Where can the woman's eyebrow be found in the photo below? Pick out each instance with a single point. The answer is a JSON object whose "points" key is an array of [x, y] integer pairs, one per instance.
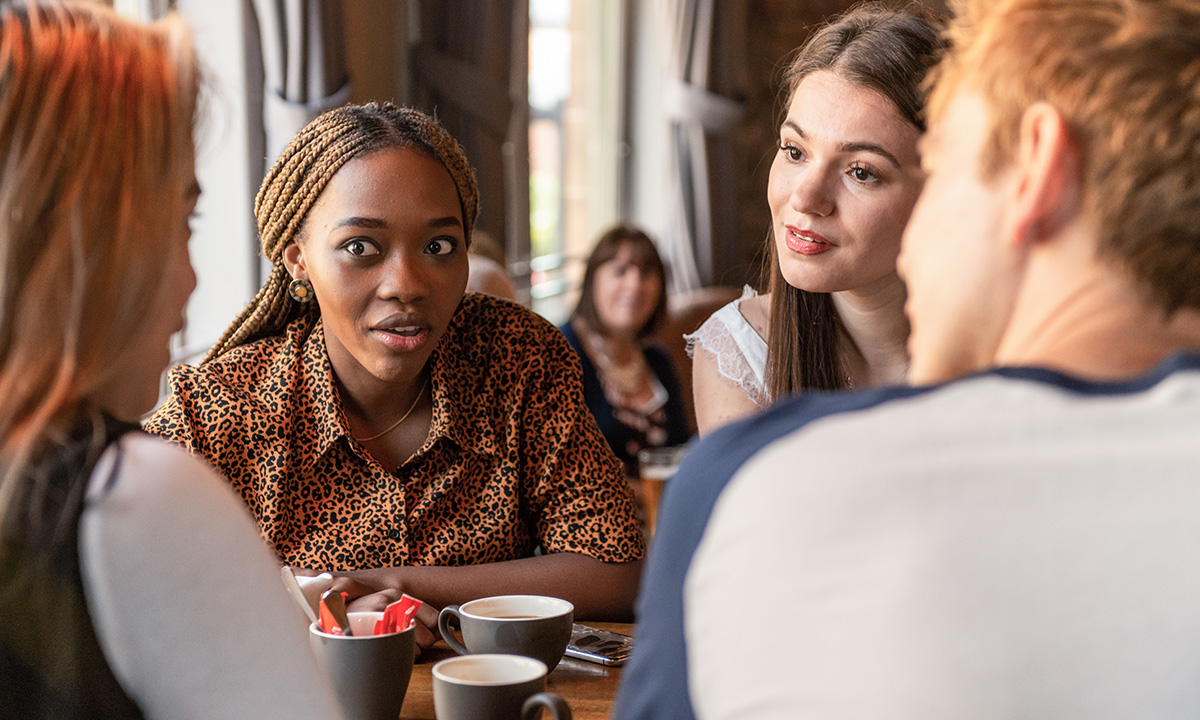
{"points": [[364, 222], [859, 146], [871, 148], [448, 221]]}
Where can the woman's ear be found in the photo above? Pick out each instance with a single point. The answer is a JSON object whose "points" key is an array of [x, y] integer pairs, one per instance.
{"points": [[1047, 190], [293, 261]]}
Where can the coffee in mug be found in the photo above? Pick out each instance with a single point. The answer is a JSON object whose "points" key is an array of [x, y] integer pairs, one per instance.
{"points": [[494, 687], [531, 625]]}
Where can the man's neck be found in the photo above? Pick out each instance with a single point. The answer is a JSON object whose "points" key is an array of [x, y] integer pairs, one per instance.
{"points": [[1097, 326]]}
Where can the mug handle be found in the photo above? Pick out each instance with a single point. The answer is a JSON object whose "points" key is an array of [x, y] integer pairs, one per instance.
{"points": [[451, 611], [552, 701]]}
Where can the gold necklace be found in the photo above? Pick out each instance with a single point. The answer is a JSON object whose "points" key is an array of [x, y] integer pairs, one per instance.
{"points": [[396, 424]]}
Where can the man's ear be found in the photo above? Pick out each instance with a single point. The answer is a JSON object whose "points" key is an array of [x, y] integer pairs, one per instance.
{"points": [[293, 261], [1047, 188]]}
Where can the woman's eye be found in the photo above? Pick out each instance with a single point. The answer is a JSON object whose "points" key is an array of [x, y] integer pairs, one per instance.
{"points": [[863, 174], [440, 246], [792, 152], [361, 248]]}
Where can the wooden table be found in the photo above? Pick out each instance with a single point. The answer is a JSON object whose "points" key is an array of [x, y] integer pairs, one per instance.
{"points": [[588, 687]]}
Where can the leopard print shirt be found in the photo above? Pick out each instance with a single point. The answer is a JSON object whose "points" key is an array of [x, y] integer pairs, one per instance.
{"points": [[513, 460]]}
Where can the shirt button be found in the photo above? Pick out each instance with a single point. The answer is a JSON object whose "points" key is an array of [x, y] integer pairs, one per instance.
{"points": [[394, 534]]}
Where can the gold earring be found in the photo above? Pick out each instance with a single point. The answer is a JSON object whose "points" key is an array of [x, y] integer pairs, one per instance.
{"points": [[300, 290]]}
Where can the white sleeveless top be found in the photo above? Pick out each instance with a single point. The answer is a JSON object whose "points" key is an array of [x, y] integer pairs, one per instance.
{"points": [[740, 353]]}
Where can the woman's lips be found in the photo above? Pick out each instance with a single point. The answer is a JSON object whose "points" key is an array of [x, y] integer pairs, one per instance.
{"points": [[805, 242], [403, 332], [402, 339]]}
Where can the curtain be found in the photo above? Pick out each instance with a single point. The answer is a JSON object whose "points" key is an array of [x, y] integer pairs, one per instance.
{"points": [[705, 72], [470, 69], [304, 65]]}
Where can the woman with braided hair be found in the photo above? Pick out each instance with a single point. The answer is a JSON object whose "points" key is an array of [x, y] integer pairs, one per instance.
{"points": [[380, 423]]}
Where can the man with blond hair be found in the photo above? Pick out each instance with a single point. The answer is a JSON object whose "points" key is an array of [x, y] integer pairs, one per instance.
{"points": [[1017, 535]]}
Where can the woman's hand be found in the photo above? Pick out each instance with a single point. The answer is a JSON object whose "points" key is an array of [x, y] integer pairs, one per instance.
{"points": [[427, 615]]}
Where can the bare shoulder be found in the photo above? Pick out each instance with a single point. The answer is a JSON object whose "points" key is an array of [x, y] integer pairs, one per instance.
{"points": [[717, 399], [757, 311]]}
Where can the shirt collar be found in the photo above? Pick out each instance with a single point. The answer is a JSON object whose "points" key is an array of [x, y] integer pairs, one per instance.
{"points": [[462, 409]]}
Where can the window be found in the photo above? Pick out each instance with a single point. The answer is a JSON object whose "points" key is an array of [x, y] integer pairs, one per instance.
{"points": [[576, 148]]}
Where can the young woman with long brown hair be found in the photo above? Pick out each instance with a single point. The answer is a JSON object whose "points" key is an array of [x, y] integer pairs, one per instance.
{"points": [[842, 185]]}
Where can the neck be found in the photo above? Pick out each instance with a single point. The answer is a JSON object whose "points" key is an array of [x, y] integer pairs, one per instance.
{"points": [[876, 332], [619, 345], [1100, 328], [378, 404]]}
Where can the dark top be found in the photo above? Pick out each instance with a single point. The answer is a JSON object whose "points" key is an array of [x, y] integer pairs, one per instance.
{"points": [[51, 663], [624, 440]]}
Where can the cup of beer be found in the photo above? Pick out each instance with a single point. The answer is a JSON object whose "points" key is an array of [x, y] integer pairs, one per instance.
{"points": [[656, 466]]}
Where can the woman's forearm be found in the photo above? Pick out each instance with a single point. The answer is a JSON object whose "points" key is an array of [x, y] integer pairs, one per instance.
{"points": [[598, 590]]}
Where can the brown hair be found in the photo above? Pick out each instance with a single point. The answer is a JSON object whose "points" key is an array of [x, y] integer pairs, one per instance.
{"points": [[96, 120], [1125, 74], [300, 175], [885, 48], [645, 256]]}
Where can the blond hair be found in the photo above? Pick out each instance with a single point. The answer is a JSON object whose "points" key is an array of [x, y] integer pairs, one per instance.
{"points": [[300, 175], [1125, 74], [96, 117]]}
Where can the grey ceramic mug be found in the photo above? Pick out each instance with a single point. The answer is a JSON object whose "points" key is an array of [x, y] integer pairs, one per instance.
{"points": [[531, 625], [369, 673], [494, 687]]}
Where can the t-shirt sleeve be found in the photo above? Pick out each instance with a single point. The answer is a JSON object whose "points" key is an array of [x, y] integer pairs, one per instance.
{"points": [[187, 599], [577, 486]]}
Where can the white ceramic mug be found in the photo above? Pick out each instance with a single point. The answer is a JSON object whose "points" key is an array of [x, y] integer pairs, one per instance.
{"points": [[531, 625], [494, 687]]}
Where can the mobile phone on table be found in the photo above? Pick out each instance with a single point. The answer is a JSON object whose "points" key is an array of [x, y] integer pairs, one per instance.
{"points": [[599, 646]]}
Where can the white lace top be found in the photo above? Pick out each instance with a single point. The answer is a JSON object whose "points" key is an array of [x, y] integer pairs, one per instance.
{"points": [[740, 352]]}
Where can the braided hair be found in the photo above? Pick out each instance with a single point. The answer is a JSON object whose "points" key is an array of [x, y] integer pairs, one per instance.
{"points": [[300, 175]]}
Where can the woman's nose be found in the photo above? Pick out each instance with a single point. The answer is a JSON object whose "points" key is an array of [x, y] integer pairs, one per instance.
{"points": [[404, 279], [812, 194]]}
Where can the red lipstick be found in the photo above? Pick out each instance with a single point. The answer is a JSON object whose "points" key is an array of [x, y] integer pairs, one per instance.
{"points": [[805, 242]]}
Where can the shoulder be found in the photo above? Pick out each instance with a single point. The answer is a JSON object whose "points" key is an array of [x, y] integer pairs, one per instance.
{"points": [[756, 311], [145, 490], [159, 520], [160, 473], [242, 369], [568, 331], [257, 371], [746, 320], [503, 329]]}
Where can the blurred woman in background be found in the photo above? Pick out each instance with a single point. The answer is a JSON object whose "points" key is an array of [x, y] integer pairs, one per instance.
{"points": [[132, 582], [630, 385]]}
